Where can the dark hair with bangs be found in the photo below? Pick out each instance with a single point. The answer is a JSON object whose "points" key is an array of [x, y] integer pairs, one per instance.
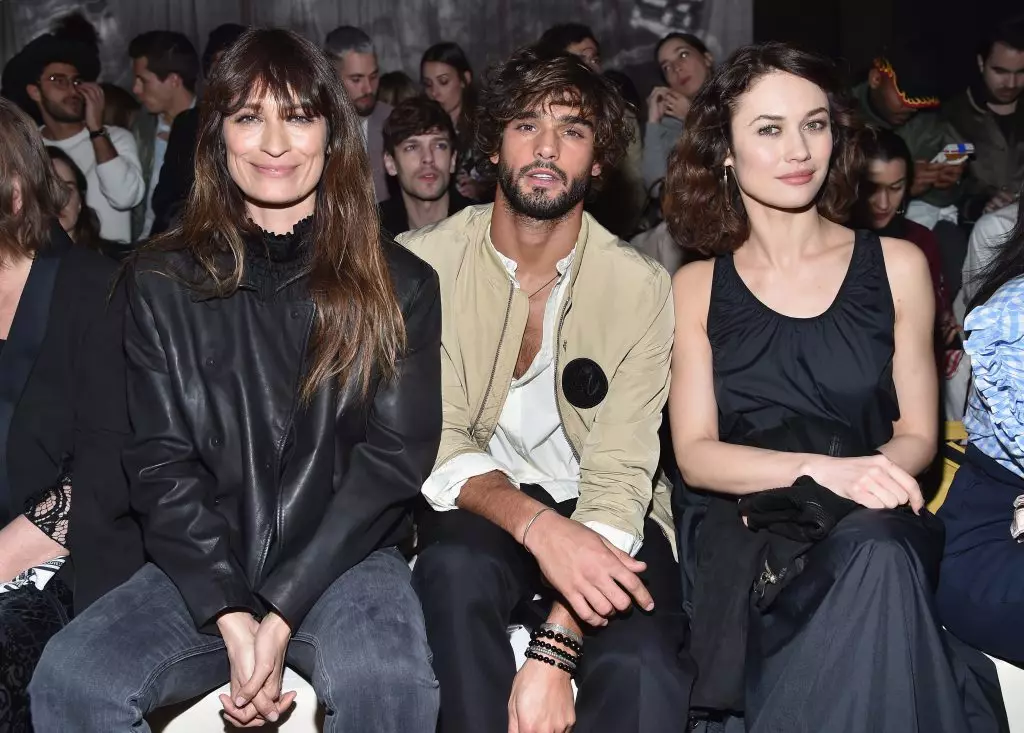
{"points": [[359, 326], [531, 78], [708, 217]]}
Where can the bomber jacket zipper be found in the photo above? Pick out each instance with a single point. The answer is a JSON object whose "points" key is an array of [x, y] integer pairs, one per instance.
{"points": [[497, 358], [558, 352]]}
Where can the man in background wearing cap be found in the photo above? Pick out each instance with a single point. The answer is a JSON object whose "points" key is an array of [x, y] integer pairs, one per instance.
{"points": [[899, 95], [59, 76]]}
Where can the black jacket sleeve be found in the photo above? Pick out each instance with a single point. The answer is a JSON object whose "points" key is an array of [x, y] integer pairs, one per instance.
{"points": [[384, 474], [177, 172], [171, 489]]}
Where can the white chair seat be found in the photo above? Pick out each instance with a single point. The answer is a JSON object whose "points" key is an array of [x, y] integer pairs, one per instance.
{"points": [[202, 715]]}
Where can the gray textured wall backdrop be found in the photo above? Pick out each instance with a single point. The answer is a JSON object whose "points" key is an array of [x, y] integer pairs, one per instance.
{"points": [[487, 29]]}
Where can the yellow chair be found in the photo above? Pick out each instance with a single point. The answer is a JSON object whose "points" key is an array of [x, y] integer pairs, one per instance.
{"points": [[953, 447]]}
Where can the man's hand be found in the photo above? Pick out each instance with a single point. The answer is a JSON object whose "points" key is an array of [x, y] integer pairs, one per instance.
{"points": [[925, 176], [588, 571], [948, 176], [263, 688], [95, 103], [541, 700]]}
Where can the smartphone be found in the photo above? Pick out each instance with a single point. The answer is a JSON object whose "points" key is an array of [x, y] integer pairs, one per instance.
{"points": [[954, 154]]}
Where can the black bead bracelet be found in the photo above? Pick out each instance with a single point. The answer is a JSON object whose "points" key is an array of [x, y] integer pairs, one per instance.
{"points": [[549, 660], [552, 649], [555, 636]]}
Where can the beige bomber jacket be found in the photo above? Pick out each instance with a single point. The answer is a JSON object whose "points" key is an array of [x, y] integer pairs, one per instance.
{"points": [[617, 313]]}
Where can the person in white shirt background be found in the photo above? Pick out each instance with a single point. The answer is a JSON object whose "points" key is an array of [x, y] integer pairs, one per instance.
{"points": [[71, 107]]}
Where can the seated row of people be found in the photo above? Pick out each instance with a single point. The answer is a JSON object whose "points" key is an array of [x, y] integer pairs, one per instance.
{"points": [[298, 383]]}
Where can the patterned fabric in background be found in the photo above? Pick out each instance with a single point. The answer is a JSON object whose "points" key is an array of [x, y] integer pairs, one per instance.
{"points": [[28, 618], [403, 29]]}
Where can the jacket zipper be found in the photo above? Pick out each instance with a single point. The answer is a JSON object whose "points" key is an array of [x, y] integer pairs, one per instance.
{"points": [[497, 358], [558, 404]]}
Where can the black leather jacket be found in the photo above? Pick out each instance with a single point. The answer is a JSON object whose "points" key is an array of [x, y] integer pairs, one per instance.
{"points": [[248, 499]]}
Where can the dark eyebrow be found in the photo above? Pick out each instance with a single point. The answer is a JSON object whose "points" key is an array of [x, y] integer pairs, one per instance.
{"points": [[780, 118], [527, 116], [770, 118], [576, 120]]}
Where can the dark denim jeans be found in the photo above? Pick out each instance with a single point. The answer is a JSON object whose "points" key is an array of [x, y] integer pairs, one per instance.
{"points": [[363, 647]]}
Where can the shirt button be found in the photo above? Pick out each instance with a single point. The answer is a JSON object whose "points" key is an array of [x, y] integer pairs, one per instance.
{"points": [[211, 362], [296, 314], [267, 465], [216, 441]]}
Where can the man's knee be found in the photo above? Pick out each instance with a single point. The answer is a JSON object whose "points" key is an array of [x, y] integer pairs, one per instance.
{"points": [[454, 573]]}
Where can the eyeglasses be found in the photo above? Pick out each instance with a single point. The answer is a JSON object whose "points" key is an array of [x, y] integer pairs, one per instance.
{"points": [[61, 81]]}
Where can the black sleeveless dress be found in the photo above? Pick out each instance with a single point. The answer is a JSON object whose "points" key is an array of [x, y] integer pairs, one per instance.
{"points": [[851, 644]]}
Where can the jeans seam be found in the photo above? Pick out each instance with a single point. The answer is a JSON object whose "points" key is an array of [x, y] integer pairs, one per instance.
{"points": [[319, 664], [168, 663]]}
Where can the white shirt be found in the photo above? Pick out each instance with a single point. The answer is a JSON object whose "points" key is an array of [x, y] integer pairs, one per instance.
{"points": [[989, 233], [159, 151], [115, 186], [529, 444]]}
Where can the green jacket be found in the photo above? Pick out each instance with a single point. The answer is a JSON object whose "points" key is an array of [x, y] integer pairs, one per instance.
{"points": [[998, 163], [926, 134]]}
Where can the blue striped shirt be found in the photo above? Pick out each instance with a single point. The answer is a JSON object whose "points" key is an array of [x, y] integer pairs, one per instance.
{"points": [[995, 408]]}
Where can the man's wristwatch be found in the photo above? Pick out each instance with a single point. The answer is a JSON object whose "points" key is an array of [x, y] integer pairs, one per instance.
{"points": [[102, 132]]}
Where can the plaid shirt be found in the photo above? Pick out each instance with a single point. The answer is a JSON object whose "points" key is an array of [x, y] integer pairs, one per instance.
{"points": [[995, 408]]}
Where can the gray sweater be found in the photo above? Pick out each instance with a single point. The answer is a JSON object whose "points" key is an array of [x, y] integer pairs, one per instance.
{"points": [[659, 139]]}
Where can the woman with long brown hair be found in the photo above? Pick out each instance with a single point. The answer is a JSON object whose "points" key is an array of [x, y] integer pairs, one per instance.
{"points": [[804, 399], [62, 419], [284, 387]]}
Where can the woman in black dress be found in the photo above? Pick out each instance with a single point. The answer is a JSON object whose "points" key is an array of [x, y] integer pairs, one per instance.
{"points": [[799, 326], [63, 420]]}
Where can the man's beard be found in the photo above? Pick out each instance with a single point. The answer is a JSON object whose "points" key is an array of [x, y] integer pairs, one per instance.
{"points": [[61, 114], [537, 204]]}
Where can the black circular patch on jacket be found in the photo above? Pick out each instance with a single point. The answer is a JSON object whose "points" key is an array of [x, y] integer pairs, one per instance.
{"points": [[584, 384]]}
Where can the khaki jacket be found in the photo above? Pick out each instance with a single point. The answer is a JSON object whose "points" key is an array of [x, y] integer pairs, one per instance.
{"points": [[617, 312]]}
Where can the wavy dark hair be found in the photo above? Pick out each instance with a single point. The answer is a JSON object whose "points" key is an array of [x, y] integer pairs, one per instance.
{"points": [[530, 78], [705, 216], [1007, 265], [26, 174], [359, 325]]}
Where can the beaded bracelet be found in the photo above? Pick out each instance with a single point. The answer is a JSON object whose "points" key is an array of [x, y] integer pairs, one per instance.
{"points": [[552, 649], [552, 662], [543, 633]]}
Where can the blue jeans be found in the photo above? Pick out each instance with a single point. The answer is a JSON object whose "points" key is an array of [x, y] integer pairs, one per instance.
{"points": [[363, 647]]}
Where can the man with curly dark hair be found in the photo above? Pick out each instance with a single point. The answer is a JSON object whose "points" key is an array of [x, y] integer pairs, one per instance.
{"points": [[552, 392]]}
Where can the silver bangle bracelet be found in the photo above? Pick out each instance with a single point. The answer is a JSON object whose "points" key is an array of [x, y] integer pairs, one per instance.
{"points": [[530, 524], [563, 631]]}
